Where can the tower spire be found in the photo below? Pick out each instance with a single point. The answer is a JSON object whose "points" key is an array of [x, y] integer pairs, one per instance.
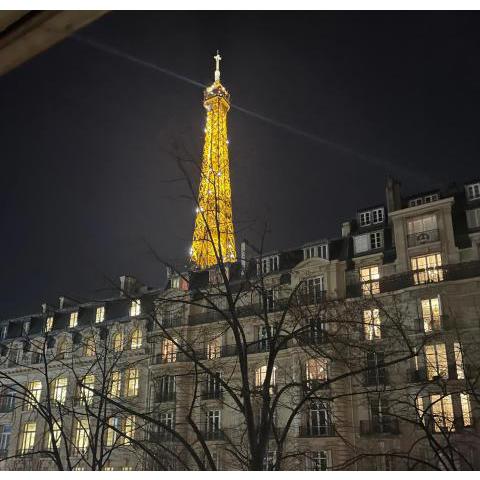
{"points": [[213, 236]]}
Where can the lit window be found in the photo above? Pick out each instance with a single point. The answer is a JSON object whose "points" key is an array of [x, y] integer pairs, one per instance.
{"points": [[316, 369], [136, 341], [261, 374], [27, 440], [369, 278], [86, 393], [132, 377], [99, 314], [169, 351], [115, 384], [466, 409], [318, 461], [56, 433], [442, 412], [431, 314], [59, 390], [129, 430], [89, 347], [473, 218], [117, 342], [473, 191], [457, 350], [371, 319], [214, 348], [107, 469], [135, 308], [126, 469], [112, 431], [48, 324], [73, 320], [427, 268], [34, 389], [82, 432], [436, 359]]}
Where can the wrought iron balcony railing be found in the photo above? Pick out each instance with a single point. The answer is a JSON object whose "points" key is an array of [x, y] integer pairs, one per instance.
{"points": [[421, 238], [380, 425], [325, 430]]}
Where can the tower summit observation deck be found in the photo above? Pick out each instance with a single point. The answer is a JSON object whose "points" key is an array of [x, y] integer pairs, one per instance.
{"points": [[213, 236]]}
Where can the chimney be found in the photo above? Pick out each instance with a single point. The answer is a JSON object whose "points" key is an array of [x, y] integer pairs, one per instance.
{"points": [[128, 285], [346, 229], [44, 308], [392, 194], [246, 253]]}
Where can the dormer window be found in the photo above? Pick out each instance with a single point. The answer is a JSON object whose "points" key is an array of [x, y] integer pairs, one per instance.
{"points": [[373, 216], [269, 264], [414, 202], [175, 282], [99, 314], [135, 308], [48, 324], [73, 322], [320, 251], [26, 327], [473, 191], [368, 241]]}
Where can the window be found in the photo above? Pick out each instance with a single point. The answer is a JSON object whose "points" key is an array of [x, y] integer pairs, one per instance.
{"points": [[473, 218], [214, 386], [86, 394], [3, 332], [73, 322], [115, 384], [56, 433], [136, 341], [317, 331], [376, 374], [318, 461], [427, 268], [112, 431], [270, 298], [213, 424], [48, 324], [126, 469], [323, 251], [261, 374], [431, 314], [214, 348], [99, 314], [59, 390], [431, 198], [466, 409], [129, 430], [27, 439], [473, 191], [415, 201], [422, 224], [376, 240], [7, 400], [25, 328], [270, 460], [5, 435], [436, 360], [166, 386], [308, 253], [82, 432], [316, 370], [371, 319], [457, 350], [132, 377], [34, 389], [269, 264], [369, 278], [169, 351], [315, 289], [442, 412], [319, 423], [117, 342], [89, 346], [371, 216], [264, 338], [168, 420], [135, 308]]}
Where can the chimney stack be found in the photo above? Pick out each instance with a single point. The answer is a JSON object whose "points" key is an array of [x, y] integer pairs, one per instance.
{"points": [[392, 194], [346, 229], [128, 285]]}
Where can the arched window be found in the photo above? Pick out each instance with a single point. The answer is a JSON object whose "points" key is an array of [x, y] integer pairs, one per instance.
{"points": [[260, 375], [136, 341], [117, 342]]}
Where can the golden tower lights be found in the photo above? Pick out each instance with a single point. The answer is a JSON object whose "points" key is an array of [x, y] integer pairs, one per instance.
{"points": [[213, 237]]}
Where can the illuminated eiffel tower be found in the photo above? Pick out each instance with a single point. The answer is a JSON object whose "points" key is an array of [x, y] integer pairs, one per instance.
{"points": [[213, 237]]}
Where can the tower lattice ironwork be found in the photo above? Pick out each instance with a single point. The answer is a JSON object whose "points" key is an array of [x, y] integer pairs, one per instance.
{"points": [[213, 237]]}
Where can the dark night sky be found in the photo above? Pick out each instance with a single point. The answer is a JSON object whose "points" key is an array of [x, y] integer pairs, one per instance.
{"points": [[85, 134]]}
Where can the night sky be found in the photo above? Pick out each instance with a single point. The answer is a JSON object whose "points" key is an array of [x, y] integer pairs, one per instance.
{"points": [[86, 179]]}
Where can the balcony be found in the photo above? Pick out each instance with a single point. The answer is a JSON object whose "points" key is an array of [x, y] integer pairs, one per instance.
{"points": [[382, 425], [325, 430], [456, 271], [422, 238]]}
